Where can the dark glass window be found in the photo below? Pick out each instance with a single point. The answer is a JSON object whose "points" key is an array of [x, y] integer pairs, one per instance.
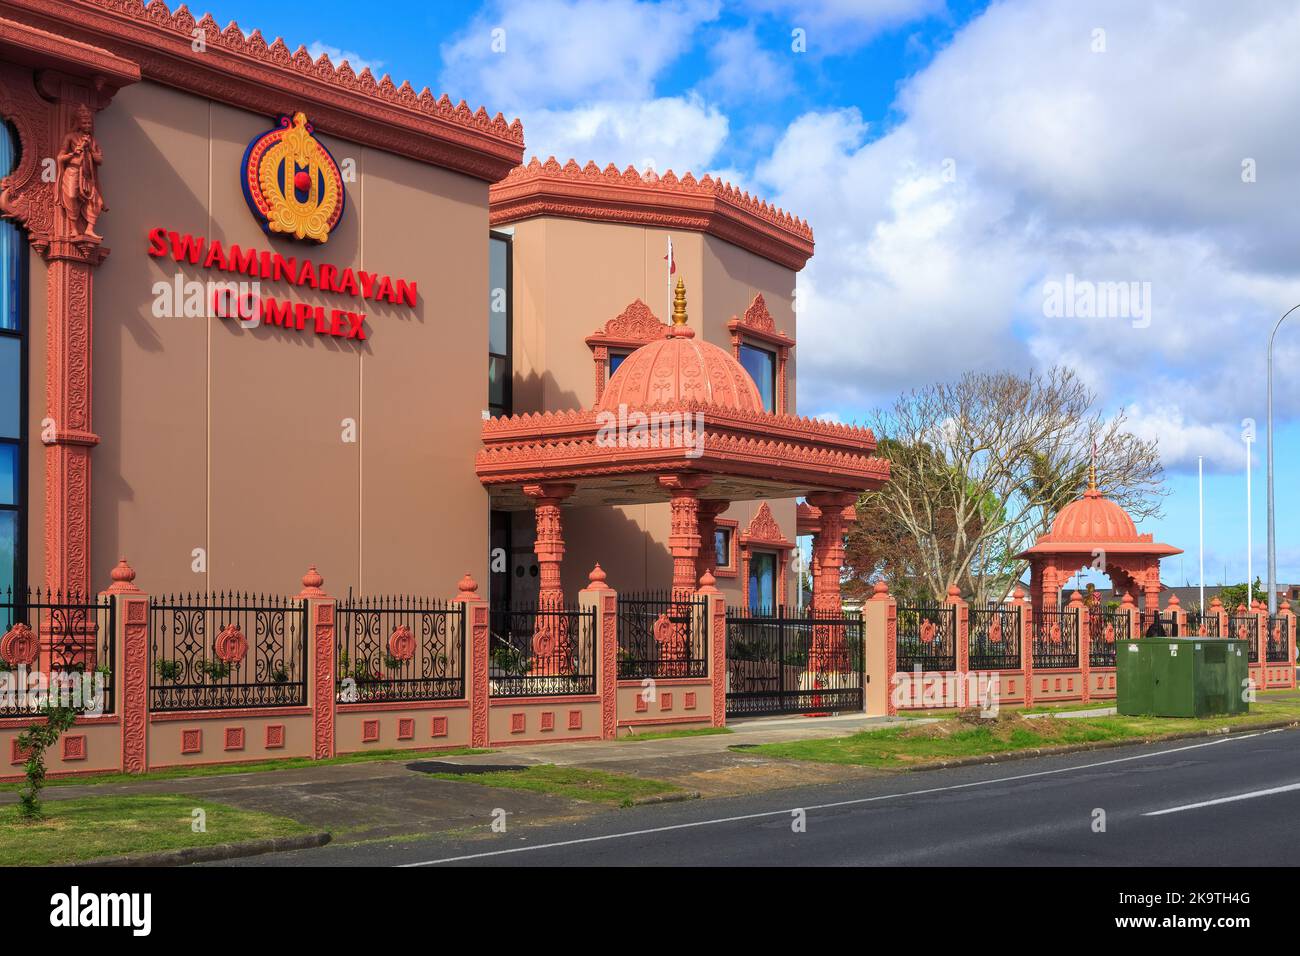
{"points": [[762, 581], [761, 366], [13, 387], [500, 318], [722, 547], [615, 360]]}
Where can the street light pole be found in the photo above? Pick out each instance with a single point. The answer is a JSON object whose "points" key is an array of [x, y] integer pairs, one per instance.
{"points": [[1272, 539]]}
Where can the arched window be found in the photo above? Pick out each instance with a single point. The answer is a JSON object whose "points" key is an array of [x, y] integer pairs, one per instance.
{"points": [[13, 389]]}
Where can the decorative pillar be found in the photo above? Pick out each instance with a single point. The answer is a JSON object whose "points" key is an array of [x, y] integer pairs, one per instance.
{"points": [[715, 609], [1151, 589], [1023, 611], [828, 651], [880, 646], [600, 596], [709, 511], [320, 614], [1217, 610], [684, 535], [1083, 622], [552, 644], [476, 646], [1288, 617], [1179, 617], [1127, 605], [131, 667], [961, 616]]}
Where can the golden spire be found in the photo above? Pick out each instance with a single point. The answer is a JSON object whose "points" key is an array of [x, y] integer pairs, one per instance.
{"points": [[1092, 468], [679, 303]]}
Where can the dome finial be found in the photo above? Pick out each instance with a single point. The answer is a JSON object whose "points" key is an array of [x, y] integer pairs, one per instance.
{"points": [[1092, 467], [679, 302]]}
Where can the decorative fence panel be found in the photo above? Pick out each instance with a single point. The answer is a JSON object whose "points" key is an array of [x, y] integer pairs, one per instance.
{"points": [[927, 637], [793, 663], [994, 638], [69, 639], [1203, 624], [1056, 639], [1278, 650], [659, 637], [1159, 624], [1105, 628], [1245, 627], [399, 648], [542, 652], [224, 650]]}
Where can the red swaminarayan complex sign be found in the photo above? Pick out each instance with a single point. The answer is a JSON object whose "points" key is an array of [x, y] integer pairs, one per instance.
{"points": [[258, 264]]}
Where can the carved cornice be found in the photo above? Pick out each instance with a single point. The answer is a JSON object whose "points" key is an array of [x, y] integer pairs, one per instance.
{"points": [[633, 327], [704, 205], [764, 531], [757, 322], [250, 73]]}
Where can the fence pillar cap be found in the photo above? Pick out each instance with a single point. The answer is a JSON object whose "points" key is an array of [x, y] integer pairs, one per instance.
{"points": [[123, 577], [1285, 605], [881, 590], [468, 589], [708, 584], [1173, 601], [1215, 603], [596, 579], [1076, 598], [311, 584], [1018, 595], [954, 591], [1126, 600]]}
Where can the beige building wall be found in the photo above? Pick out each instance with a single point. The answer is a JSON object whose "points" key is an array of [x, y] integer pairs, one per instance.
{"points": [[570, 278], [231, 440]]}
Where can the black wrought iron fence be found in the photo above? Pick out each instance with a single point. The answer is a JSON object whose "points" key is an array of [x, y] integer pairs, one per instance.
{"points": [[1245, 627], [994, 638], [927, 637], [216, 651], [1159, 624], [1278, 649], [1204, 624], [784, 661], [660, 637], [542, 651], [56, 641], [1105, 628], [1056, 639], [399, 647]]}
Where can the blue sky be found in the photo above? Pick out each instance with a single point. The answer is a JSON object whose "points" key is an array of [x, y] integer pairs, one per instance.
{"points": [[954, 159]]}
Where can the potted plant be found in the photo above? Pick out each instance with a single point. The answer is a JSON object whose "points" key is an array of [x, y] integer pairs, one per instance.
{"points": [[169, 670]]}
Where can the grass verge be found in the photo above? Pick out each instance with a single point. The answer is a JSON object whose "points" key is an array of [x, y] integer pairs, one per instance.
{"points": [[971, 736], [667, 734], [576, 783], [83, 829], [259, 766]]}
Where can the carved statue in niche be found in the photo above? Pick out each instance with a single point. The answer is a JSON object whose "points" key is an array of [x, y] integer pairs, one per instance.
{"points": [[79, 159]]}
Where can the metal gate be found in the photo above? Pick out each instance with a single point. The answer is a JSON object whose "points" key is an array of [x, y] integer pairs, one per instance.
{"points": [[801, 662]]}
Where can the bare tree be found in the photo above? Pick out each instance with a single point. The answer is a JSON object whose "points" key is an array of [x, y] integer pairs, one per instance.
{"points": [[980, 467]]}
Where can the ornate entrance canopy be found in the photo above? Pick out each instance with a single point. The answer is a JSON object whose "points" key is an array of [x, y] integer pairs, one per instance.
{"points": [[680, 421], [1095, 532]]}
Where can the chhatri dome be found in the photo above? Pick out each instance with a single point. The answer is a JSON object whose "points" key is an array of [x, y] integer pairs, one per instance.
{"points": [[1093, 518], [679, 369]]}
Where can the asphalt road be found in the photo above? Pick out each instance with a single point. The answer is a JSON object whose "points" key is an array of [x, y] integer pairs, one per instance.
{"points": [[1222, 801]]}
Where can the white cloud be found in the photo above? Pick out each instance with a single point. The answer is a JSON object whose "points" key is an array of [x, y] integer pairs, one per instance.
{"points": [[744, 70], [678, 133], [337, 55], [1181, 441], [835, 26], [1020, 156], [559, 52]]}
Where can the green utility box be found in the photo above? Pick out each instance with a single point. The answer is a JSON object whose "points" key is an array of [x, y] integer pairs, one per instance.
{"points": [[1181, 676]]}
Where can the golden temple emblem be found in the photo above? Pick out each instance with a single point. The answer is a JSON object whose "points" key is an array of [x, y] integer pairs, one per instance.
{"points": [[292, 183]]}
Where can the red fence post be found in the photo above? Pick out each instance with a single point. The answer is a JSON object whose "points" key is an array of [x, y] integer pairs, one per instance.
{"points": [[476, 647], [131, 666], [1216, 608], [715, 619], [961, 615], [1027, 645], [1284, 610], [1084, 623], [880, 648], [320, 690], [601, 598]]}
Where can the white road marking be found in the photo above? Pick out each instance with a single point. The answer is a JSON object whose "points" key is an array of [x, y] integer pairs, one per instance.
{"points": [[825, 806], [1210, 803]]}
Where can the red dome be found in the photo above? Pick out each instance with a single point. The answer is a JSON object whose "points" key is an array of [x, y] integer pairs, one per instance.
{"points": [[679, 369], [1093, 518]]}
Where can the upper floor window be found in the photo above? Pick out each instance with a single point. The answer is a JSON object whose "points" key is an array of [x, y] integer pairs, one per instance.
{"points": [[761, 366], [500, 318], [616, 357], [13, 388]]}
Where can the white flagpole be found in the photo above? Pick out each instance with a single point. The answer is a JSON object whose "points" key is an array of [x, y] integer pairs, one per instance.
{"points": [[1250, 580], [1200, 492]]}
